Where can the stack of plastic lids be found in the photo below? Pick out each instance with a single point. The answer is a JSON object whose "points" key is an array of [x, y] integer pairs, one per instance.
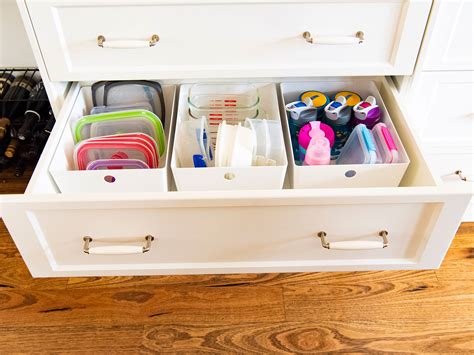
{"points": [[125, 134]]}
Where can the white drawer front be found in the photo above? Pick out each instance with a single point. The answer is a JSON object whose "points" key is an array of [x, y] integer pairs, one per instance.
{"points": [[223, 39], [211, 236], [451, 37], [442, 108]]}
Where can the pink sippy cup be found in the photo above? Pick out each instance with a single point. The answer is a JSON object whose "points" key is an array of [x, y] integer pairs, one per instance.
{"points": [[311, 131], [318, 152]]}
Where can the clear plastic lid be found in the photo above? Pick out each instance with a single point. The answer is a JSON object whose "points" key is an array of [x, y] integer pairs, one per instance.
{"points": [[360, 148], [114, 108], [388, 151], [82, 127], [86, 153], [131, 92], [132, 125], [116, 164]]}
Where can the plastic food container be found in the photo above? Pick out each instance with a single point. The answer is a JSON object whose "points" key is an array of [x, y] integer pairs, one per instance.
{"points": [[218, 102], [386, 146], [114, 108], [111, 164], [118, 123], [360, 148], [268, 141]]}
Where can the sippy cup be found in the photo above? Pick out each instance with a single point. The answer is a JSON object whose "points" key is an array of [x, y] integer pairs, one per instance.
{"points": [[311, 131], [367, 112]]}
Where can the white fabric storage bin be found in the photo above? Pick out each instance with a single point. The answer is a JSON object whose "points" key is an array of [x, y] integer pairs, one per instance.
{"points": [[70, 180], [351, 175], [229, 178]]}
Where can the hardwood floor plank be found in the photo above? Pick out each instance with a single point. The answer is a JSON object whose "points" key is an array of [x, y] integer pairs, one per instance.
{"points": [[144, 305], [464, 236], [68, 339], [420, 299], [311, 337]]}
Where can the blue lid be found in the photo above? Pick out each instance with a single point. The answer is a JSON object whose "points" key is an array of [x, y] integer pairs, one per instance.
{"points": [[369, 142]]}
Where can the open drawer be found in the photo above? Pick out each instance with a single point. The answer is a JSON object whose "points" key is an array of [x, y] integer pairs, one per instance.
{"points": [[406, 227]]}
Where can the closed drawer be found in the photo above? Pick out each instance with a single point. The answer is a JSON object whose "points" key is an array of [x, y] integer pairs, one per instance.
{"points": [[226, 39], [236, 231], [450, 36], [197, 237], [442, 109]]}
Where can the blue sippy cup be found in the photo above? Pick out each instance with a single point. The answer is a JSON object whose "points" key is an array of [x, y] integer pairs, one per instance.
{"points": [[338, 115], [309, 108]]}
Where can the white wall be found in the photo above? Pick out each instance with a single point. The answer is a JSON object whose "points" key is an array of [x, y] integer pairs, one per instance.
{"points": [[15, 49]]}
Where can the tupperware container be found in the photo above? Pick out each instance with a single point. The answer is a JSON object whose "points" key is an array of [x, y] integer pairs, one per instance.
{"points": [[114, 108], [344, 175], [112, 164], [131, 92], [360, 148], [269, 145], [218, 102], [386, 146], [87, 152], [131, 138], [120, 122]]}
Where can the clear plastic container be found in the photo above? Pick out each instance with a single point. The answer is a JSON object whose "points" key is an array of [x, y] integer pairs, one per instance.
{"points": [[360, 148], [111, 123], [268, 141], [218, 102], [386, 146]]}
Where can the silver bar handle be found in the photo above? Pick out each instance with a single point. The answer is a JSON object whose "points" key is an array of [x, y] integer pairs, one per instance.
{"points": [[358, 38], [355, 244], [117, 249], [462, 176], [127, 44]]}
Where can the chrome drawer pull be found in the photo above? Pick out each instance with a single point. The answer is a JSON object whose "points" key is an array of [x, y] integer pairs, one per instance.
{"points": [[461, 176], [117, 249], [357, 39], [103, 43], [355, 244]]}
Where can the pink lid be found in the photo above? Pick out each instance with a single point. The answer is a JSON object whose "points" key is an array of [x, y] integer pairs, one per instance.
{"points": [[313, 130]]}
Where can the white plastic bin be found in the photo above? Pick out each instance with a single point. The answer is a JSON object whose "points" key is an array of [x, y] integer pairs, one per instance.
{"points": [[105, 181], [333, 176], [227, 178]]}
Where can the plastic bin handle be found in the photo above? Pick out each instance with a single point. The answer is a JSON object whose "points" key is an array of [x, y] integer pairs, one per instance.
{"points": [[358, 38], [355, 244], [117, 249], [127, 44]]}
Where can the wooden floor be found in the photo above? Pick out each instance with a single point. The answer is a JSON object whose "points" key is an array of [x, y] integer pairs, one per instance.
{"points": [[408, 311]]}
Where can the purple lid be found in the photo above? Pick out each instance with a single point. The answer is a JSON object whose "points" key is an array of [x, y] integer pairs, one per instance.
{"points": [[116, 164]]}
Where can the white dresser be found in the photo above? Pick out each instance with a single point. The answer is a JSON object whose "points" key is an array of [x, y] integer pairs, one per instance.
{"points": [[440, 94], [230, 231]]}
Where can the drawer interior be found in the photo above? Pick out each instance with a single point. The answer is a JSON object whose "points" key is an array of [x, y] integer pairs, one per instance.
{"points": [[417, 175]]}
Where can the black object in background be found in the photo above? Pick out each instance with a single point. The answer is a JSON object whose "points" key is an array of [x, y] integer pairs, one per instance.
{"points": [[27, 120], [36, 107], [6, 80]]}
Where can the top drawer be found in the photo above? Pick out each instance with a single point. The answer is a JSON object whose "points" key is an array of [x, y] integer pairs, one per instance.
{"points": [[221, 38]]}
